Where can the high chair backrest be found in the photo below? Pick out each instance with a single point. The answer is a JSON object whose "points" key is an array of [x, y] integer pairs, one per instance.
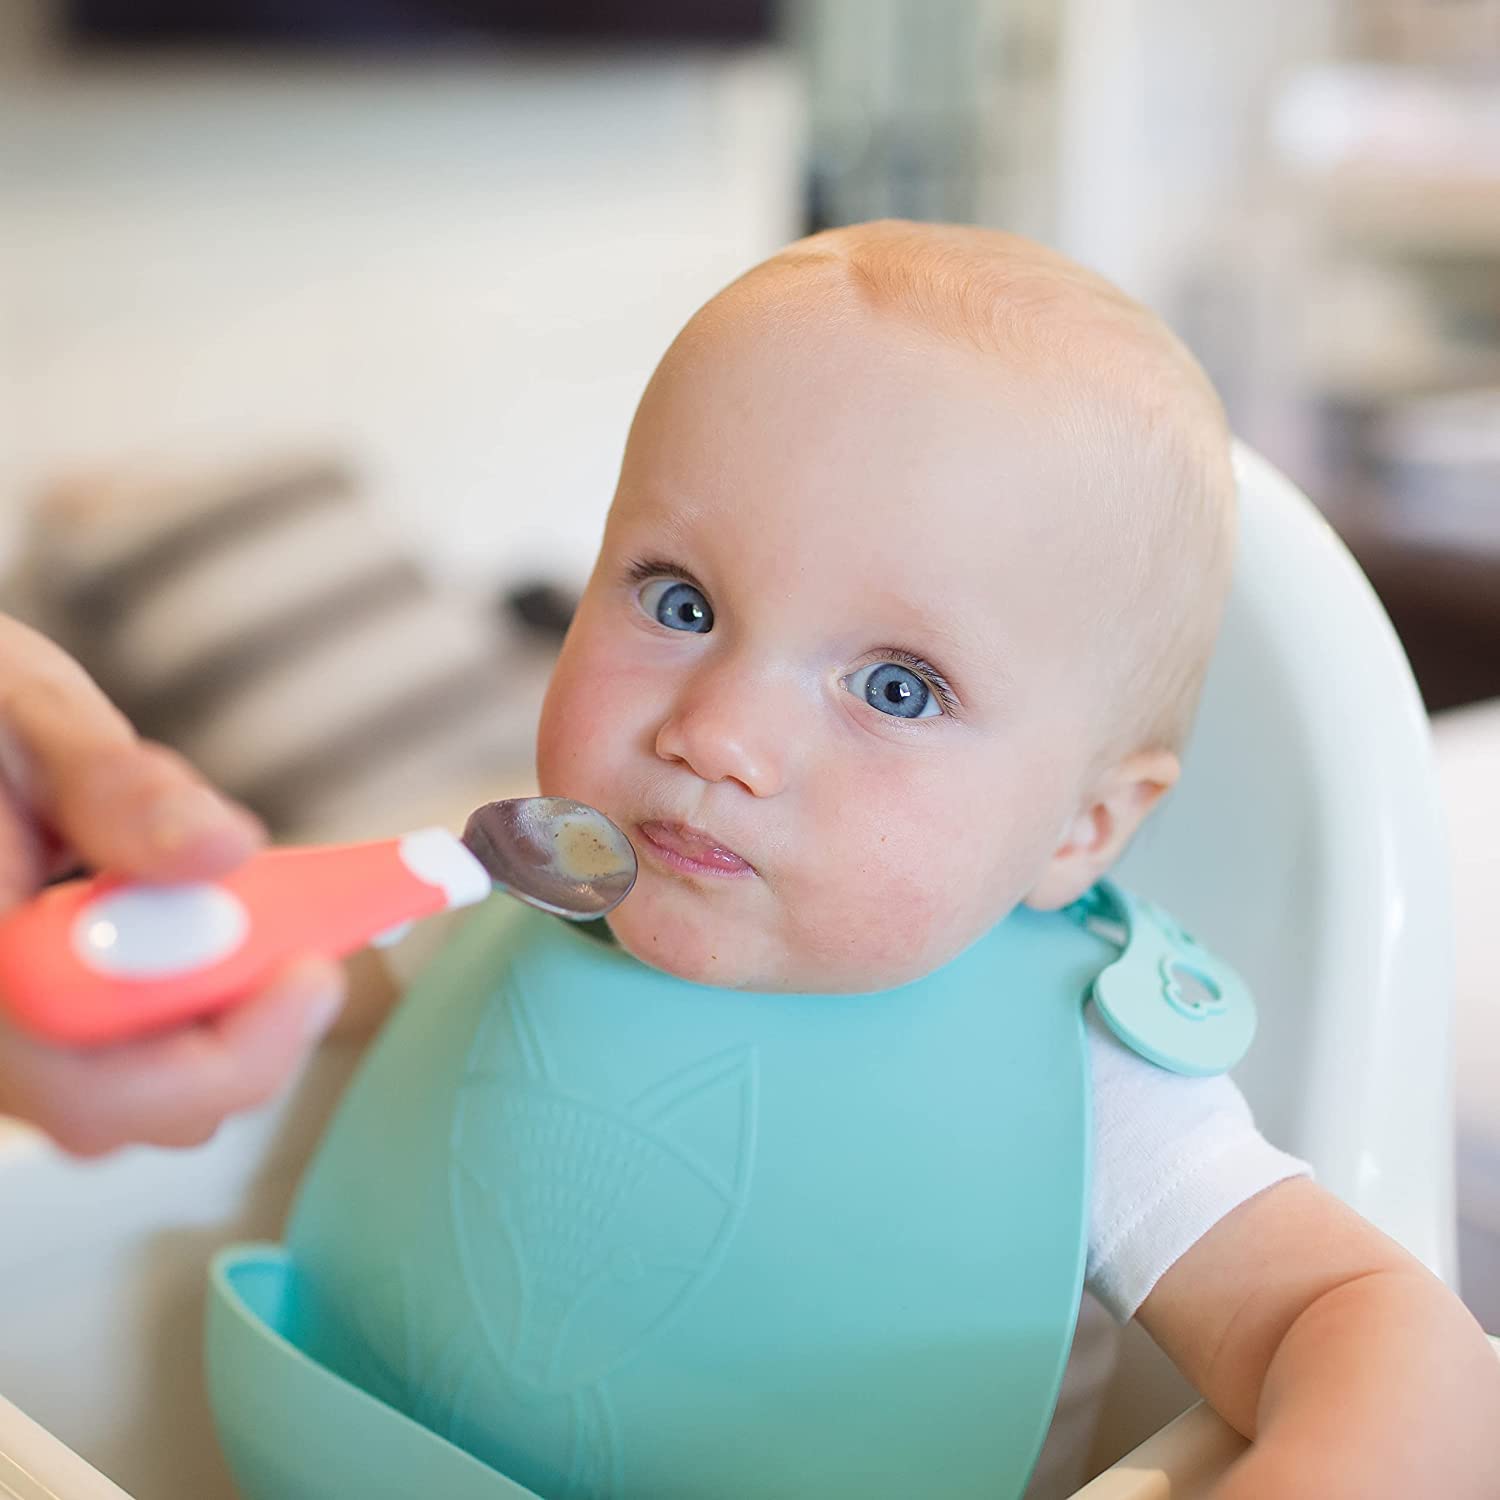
{"points": [[1305, 844]]}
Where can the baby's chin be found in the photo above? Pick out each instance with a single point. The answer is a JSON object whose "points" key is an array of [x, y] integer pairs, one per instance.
{"points": [[692, 948], [695, 946]]}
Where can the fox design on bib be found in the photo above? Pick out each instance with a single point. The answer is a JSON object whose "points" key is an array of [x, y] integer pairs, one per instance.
{"points": [[583, 1225]]}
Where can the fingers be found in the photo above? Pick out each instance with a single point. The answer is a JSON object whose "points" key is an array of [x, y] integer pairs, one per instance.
{"points": [[72, 762], [22, 859], [173, 1090], [140, 809], [77, 784]]}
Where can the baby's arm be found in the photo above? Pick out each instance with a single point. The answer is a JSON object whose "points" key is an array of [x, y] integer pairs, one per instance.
{"points": [[1355, 1371]]}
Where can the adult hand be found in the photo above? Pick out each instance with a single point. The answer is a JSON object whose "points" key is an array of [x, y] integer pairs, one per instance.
{"points": [[78, 787]]}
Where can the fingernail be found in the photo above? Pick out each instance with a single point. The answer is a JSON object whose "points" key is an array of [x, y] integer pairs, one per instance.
{"points": [[184, 815]]}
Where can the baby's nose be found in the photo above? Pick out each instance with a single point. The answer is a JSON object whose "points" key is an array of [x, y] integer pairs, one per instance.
{"points": [[722, 732]]}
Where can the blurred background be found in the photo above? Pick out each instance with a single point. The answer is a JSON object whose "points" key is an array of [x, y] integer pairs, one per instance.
{"points": [[322, 321]]}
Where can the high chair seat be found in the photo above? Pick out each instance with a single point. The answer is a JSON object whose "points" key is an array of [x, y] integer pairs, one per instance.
{"points": [[1304, 843]]}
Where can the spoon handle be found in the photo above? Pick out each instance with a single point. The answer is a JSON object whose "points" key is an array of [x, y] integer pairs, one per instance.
{"points": [[103, 959]]}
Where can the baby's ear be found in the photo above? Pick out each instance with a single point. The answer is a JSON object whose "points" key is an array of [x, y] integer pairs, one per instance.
{"points": [[1114, 808]]}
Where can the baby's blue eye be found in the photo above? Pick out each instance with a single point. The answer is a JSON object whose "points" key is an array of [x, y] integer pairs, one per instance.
{"points": [[894, 690], [677, 605]]}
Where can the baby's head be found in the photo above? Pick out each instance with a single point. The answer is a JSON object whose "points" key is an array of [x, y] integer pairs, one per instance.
{"points": [[916, 562]]}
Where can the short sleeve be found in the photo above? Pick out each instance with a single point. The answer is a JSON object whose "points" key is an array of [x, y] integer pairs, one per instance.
{"points": [[1172, 1156]]}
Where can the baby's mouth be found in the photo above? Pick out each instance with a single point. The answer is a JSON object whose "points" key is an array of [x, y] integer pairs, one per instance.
{"points": [[691, 851]]}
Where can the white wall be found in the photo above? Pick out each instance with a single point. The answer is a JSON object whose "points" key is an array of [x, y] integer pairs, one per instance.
{"points": [[459, 275]]}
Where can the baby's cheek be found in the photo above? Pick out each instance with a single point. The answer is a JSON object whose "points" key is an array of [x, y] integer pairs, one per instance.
{"points": [[880, 911], [882, 939], [581, 734], [917, 864], [560, 741]]}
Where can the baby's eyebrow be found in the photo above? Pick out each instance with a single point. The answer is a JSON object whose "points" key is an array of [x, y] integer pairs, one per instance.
{"points": [[959, 655], [673, 518], [656, 567]]}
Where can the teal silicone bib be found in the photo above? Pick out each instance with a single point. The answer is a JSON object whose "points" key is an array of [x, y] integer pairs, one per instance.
{"points": [[620, 1237]]}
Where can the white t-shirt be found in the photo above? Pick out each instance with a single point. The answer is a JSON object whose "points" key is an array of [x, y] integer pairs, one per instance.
{"points": [[1172, 1156]]}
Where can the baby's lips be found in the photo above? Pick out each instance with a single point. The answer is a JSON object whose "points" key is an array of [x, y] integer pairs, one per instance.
{"points": [[696, 845]]}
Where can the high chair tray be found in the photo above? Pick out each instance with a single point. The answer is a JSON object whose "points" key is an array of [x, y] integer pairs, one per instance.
{"points": [[1179, 1463], [35, 1466]]}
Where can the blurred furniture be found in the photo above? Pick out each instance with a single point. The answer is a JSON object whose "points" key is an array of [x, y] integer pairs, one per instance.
{"points": [[1443, 597], [1386, 198], [1468, 762], [460, 269], [922, 115], [414, 24], [268, 622]]}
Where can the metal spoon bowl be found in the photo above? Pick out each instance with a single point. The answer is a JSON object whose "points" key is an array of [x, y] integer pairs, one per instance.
{"points": [[560, 856]]}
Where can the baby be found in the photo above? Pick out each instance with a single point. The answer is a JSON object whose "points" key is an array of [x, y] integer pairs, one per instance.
{"points": [[905, 599]]}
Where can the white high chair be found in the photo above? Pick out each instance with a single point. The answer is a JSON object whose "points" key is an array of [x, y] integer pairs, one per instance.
{"points": [[1304, 843]]}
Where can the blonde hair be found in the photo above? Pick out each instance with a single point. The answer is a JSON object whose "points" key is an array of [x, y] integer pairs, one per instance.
{"points": [[1164, 493]]}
